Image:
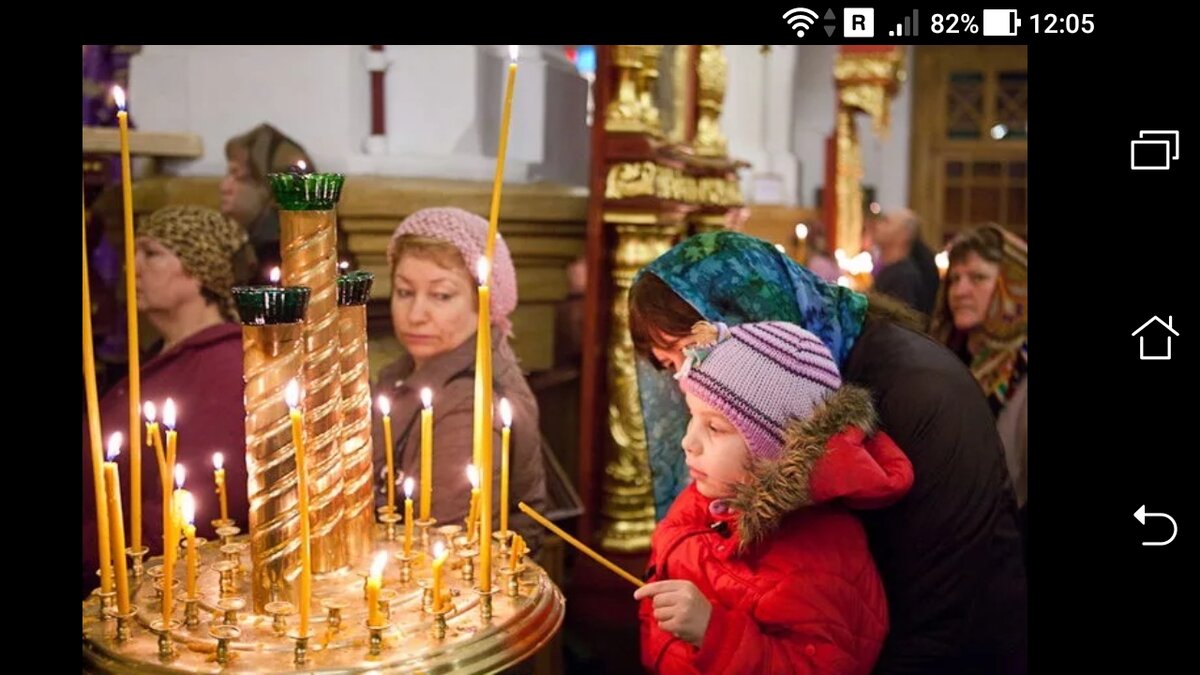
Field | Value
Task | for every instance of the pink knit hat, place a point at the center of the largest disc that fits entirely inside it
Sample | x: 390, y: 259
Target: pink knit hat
x: 468, y: 233
x: 761, y: 377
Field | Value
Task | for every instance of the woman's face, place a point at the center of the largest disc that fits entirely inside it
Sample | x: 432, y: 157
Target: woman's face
x: 670, y: 355
x: 162, y: 282
x: 241, y: 198
x: 971, y: 283
x: 434, y: 308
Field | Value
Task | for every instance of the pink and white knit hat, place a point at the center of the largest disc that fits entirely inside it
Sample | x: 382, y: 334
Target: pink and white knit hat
x: 761, y: 376
x: 468, y: 233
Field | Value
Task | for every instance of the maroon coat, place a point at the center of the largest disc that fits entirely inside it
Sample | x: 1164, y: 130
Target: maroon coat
x: 203, y: 374
x: 787, y: 571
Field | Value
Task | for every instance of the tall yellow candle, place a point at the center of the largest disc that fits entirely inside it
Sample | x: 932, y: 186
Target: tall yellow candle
x: 93, y: 410
x: 385, y: 407
x: 187, y: 516
x: 131, y: 327
x: 505, y: 438
x: 292, y: 395
x: 169, y: 532
x: 219, y: 479
x: 408, y: 516
x: 177, y: 500
x: 497, y: 182
x: 483, y: 425
x: 426, y: 453
x: 116, y: 520
x: 439, y: 559
x: 473, y: 509
x: 374, y: 584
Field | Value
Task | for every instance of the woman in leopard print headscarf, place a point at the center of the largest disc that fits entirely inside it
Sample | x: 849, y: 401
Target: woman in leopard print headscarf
x: 188, y: 259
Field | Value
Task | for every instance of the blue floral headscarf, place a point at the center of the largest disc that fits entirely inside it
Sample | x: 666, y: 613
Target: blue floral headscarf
x: 734, y: 278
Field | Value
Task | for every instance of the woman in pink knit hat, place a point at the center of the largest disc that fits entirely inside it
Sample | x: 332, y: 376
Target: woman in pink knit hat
x: 435, y: 315
x: 758, y: 566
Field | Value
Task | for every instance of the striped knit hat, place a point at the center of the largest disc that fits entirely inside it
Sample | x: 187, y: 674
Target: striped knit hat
x: 760, y: 376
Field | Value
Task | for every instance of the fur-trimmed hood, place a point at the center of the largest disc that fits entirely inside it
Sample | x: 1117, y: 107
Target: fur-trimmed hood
x: 837, y: 454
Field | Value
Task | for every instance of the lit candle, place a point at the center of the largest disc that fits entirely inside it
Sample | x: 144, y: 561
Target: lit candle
x: 426, y: 453
x: 374, y: 583
x: 292, y: 396
x: 177, y: 499
x: 168, y: 517
x: 93, y: 412
x: 483, y: 425
x: 219, y: 479
x: 276, y: 275
x: 439, y: 559
x: 131, y: 329
x: 187, y: 516
x: 408, y: 515
x: 473, y: 510
x: 116, y: 520
x: 505, y: 435
x: 497, y: 182
x: 385, y: 407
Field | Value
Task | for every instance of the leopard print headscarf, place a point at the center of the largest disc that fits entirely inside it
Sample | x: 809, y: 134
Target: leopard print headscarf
x: 206, y: 242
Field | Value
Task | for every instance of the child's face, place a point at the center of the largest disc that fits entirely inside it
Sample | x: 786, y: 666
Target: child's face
x: 716, y: 452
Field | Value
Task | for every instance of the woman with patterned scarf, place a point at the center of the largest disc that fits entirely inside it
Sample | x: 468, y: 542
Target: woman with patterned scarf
x: 981, y: 314
x: 186, y: 260
x: 949, y: 552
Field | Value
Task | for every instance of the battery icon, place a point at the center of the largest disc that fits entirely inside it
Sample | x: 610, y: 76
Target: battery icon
x: 1000, y: 22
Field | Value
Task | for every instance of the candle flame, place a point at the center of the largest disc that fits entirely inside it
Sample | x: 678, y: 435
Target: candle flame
x: 378, y: 564
x: 844, y: 282
x: 513, y: 52
x: 385, y: 404
x: 344, y: 265
x: 300, y: 164
x: 118, y: 95
x: 187, y: 508
x: 942, y: 260
x: 427, y: 397
x: 506, y: 412
x: 473, y: 476
x: 483, y: 268
x: 439, y: 549
x: 780, y: 248
x: 276, y: 275
x: 218, y: 461
x: 114, y: 445
x: 169, y: 414
x: 408, y: 488
x: 801, y: 231
x: 150, y: 411
x: 180, y: 475
x: 292, y: 394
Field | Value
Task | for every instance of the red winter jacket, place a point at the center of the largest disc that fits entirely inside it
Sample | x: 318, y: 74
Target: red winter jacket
x: 792, y: 584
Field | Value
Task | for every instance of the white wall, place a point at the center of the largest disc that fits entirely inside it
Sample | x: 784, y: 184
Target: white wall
x: 885, y: 162
x: 443, y: 105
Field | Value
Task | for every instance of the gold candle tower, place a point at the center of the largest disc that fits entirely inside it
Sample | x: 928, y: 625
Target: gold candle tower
x: 354, y: 289
x: 308, y: 241
x: 273, y: 354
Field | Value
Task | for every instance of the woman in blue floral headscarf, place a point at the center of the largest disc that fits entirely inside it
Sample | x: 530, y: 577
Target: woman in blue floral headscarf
x: 949, y: 553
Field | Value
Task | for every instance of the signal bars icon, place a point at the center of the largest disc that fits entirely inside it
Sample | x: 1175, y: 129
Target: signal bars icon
x: 800, y: 19
x: 908, y: 28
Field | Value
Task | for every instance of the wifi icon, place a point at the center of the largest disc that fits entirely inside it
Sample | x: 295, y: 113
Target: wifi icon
x: 801, y: 19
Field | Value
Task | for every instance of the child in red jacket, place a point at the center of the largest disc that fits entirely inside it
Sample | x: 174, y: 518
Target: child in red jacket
x: 756, y: 568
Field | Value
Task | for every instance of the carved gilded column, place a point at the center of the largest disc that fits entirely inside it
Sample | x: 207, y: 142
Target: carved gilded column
x: 648, y: 76
x: 627, y: 506
x: 624, y: 112
x: 710, y: 74
x: 866, y: 82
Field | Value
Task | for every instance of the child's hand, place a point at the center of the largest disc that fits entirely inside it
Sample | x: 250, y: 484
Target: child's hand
x: 679, y: 607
